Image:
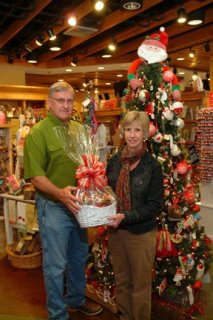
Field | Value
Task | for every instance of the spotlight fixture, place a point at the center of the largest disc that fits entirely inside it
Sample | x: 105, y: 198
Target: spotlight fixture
x: 51, y: 34
x: 72, y: 21
x: 175, y: 70
x: 19, y: 54
x: 181, y: 15
x: 74, y: 61
x: 28, y: 48
x: 99, y: 5
x: 40, y: 40
x: 106, y: 55
x: 132, y: 5
x: 32, y: 57
x: 10, y: 58
x: 55, y: 45
x: 195, y: 18
x: 191, y: 53
x: 194, y: 76
x: 112, y: 45
x: 207, y: 47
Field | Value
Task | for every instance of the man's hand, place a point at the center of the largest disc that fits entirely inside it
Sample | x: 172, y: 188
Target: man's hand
x: 69, y: 199
x: 66, y: 195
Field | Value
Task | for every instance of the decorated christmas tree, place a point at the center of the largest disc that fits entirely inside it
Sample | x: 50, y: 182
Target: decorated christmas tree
x: 183, y: 249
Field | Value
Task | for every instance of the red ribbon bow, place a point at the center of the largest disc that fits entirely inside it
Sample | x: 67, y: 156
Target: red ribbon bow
x: 92, y: 171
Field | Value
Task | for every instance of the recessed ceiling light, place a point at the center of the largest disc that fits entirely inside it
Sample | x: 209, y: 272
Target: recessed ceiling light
x: 101, y: 68
x: 180, y: 59
x: 181, y: 72
x: 119, y: 75
x: 60, y: 80
x: 108, y: 83
x: 132, y: 5
x: 68, y: 70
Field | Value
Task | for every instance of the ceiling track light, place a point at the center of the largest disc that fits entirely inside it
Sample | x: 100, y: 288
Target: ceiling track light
x: 194, y: 76
x: 10, y: 58
x: 40, y: 40
x: 195, y: 18
x: 51, y: 34
x: 32, y: 57
x: 28, y: 48
x: 191, y: 53
x: 99, y: 5
x: 106, y: 55
x: 74, y: 61
x: 207, y: 47
x: 72, y: 21
x: 19, y: 54
x: 132, y: 5
x: 55, y: 45
x: 181, y: 15
x: 112, y: 45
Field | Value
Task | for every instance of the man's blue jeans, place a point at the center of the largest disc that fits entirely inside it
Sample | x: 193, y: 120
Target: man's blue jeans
x: 65, y: 251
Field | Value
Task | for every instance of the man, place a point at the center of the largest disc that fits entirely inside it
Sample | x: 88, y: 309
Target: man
x: 64, y: 243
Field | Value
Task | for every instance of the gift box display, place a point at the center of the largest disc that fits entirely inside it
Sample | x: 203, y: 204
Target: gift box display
x: 97, y: 199
x: 26, y: 253
x: 175, y: 304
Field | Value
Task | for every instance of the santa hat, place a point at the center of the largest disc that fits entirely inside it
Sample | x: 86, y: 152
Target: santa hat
x: 157, y: 39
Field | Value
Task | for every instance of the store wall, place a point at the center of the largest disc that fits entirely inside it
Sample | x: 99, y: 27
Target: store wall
x: 12, y: 74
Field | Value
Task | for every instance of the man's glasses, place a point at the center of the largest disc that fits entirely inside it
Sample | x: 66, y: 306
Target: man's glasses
x: 62, y: 101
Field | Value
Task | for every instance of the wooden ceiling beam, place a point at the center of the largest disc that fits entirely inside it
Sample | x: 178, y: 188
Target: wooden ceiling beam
x: 19, y: 24
x: 140, y: 29
x: 111, y: 20
x: 80, y: 12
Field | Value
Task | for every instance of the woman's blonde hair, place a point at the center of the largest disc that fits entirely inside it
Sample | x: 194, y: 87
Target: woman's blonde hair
x: 141, y: 117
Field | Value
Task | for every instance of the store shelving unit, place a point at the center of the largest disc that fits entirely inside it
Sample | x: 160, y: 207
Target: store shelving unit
x: 193, y: 102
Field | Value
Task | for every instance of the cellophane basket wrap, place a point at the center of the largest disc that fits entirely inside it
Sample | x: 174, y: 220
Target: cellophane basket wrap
x: 97, y: 199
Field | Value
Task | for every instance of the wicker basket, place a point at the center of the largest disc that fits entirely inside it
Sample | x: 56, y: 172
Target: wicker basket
x: 91, y: 216
x: 29, y: 261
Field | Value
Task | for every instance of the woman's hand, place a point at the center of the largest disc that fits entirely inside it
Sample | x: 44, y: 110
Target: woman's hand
x: 115, y: 220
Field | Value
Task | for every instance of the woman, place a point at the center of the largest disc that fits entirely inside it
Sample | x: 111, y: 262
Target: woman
x: 137, y: 179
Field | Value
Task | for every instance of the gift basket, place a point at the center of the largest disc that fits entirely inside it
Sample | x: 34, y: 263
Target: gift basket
x: 97, y: 198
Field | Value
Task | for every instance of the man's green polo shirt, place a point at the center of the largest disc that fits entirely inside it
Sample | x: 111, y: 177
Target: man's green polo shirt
x: 44, y: 155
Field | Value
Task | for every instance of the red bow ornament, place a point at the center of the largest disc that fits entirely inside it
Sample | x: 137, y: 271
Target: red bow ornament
x: 91, y: 172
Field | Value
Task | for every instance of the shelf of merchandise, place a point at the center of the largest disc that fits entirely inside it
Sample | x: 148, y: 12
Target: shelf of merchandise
x: 22, y: 97
x: 6, y: 147
x: 192, y: 101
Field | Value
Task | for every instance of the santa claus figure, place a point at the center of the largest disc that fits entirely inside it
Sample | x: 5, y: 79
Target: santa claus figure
x: 153, y: 51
